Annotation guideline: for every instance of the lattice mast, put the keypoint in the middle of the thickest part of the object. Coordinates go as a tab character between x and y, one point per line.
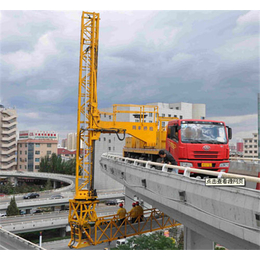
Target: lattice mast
88	115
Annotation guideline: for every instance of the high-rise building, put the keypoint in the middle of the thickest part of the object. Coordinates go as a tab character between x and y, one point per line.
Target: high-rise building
259	125
250	147
72	141
240	147
32	146
64	143
8	149
111	143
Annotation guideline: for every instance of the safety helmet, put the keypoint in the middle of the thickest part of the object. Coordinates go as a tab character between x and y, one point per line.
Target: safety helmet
120	205
133	204
137	203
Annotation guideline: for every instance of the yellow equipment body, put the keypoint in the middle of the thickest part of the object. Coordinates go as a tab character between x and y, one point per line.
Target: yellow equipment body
83	219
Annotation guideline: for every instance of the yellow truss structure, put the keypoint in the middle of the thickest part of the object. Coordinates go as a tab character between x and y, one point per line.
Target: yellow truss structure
82	212
108	228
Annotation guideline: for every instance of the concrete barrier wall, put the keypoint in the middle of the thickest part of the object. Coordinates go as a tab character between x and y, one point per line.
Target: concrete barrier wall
247	168
16	242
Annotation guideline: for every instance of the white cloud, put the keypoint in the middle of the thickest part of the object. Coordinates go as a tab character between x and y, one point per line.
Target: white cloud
248	19
236	119
242	126
240	49
182	57
46	95
21	61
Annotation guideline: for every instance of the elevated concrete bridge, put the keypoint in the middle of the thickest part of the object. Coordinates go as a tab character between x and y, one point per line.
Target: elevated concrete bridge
227	215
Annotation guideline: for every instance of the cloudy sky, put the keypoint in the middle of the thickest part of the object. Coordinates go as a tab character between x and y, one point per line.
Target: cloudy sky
197	56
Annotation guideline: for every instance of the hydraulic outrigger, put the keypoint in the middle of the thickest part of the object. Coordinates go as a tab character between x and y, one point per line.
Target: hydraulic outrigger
86	228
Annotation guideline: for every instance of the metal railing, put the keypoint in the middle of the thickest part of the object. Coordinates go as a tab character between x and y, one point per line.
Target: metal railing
186	170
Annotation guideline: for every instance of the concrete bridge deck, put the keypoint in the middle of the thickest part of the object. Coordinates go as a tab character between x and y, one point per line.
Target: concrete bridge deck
229	216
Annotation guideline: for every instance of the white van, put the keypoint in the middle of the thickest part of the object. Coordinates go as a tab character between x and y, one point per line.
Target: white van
120	242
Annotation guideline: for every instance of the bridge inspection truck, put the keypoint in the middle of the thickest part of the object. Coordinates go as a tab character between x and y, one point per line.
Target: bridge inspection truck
202	144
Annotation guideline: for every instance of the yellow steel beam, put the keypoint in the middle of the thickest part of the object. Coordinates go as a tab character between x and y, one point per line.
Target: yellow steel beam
108	228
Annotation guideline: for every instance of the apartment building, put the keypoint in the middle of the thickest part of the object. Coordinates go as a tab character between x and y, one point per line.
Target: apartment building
250	146
8	149
72	141
32	146
66	154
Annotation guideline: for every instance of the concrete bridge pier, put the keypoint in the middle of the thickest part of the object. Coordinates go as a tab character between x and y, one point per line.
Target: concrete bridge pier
62	232
129	199
195	241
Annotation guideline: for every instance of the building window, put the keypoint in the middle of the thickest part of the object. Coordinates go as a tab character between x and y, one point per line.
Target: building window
37	145
109	148
180	117
177	108
25	152
20	166
37	167
150	114
20	152
169	115
48	152
104	138
48	145
37	159
37	152
203	117
163	115
109	140
20	145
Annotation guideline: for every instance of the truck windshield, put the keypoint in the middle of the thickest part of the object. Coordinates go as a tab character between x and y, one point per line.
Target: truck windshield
203	133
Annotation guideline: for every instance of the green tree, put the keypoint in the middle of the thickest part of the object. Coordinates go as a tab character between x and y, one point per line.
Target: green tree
12	209
55	164
48	185
155	241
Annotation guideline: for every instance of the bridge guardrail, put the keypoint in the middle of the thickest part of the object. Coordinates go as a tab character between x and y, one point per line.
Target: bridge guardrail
20	239
187	170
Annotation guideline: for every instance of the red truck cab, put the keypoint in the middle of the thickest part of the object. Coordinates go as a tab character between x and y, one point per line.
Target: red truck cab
201	144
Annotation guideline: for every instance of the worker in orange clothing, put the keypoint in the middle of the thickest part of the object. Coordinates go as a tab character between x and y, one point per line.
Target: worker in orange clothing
121	213
140	211
133	213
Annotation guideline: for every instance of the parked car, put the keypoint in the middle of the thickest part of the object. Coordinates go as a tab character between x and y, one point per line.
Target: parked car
37	211
57	196
111	202
31	195
2	215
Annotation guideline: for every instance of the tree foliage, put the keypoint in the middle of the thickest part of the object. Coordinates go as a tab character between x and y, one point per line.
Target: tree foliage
54	164
12	209
155	241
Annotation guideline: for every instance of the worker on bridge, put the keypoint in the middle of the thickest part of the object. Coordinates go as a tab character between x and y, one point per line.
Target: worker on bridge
121	214
166	157
140	211
133	213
